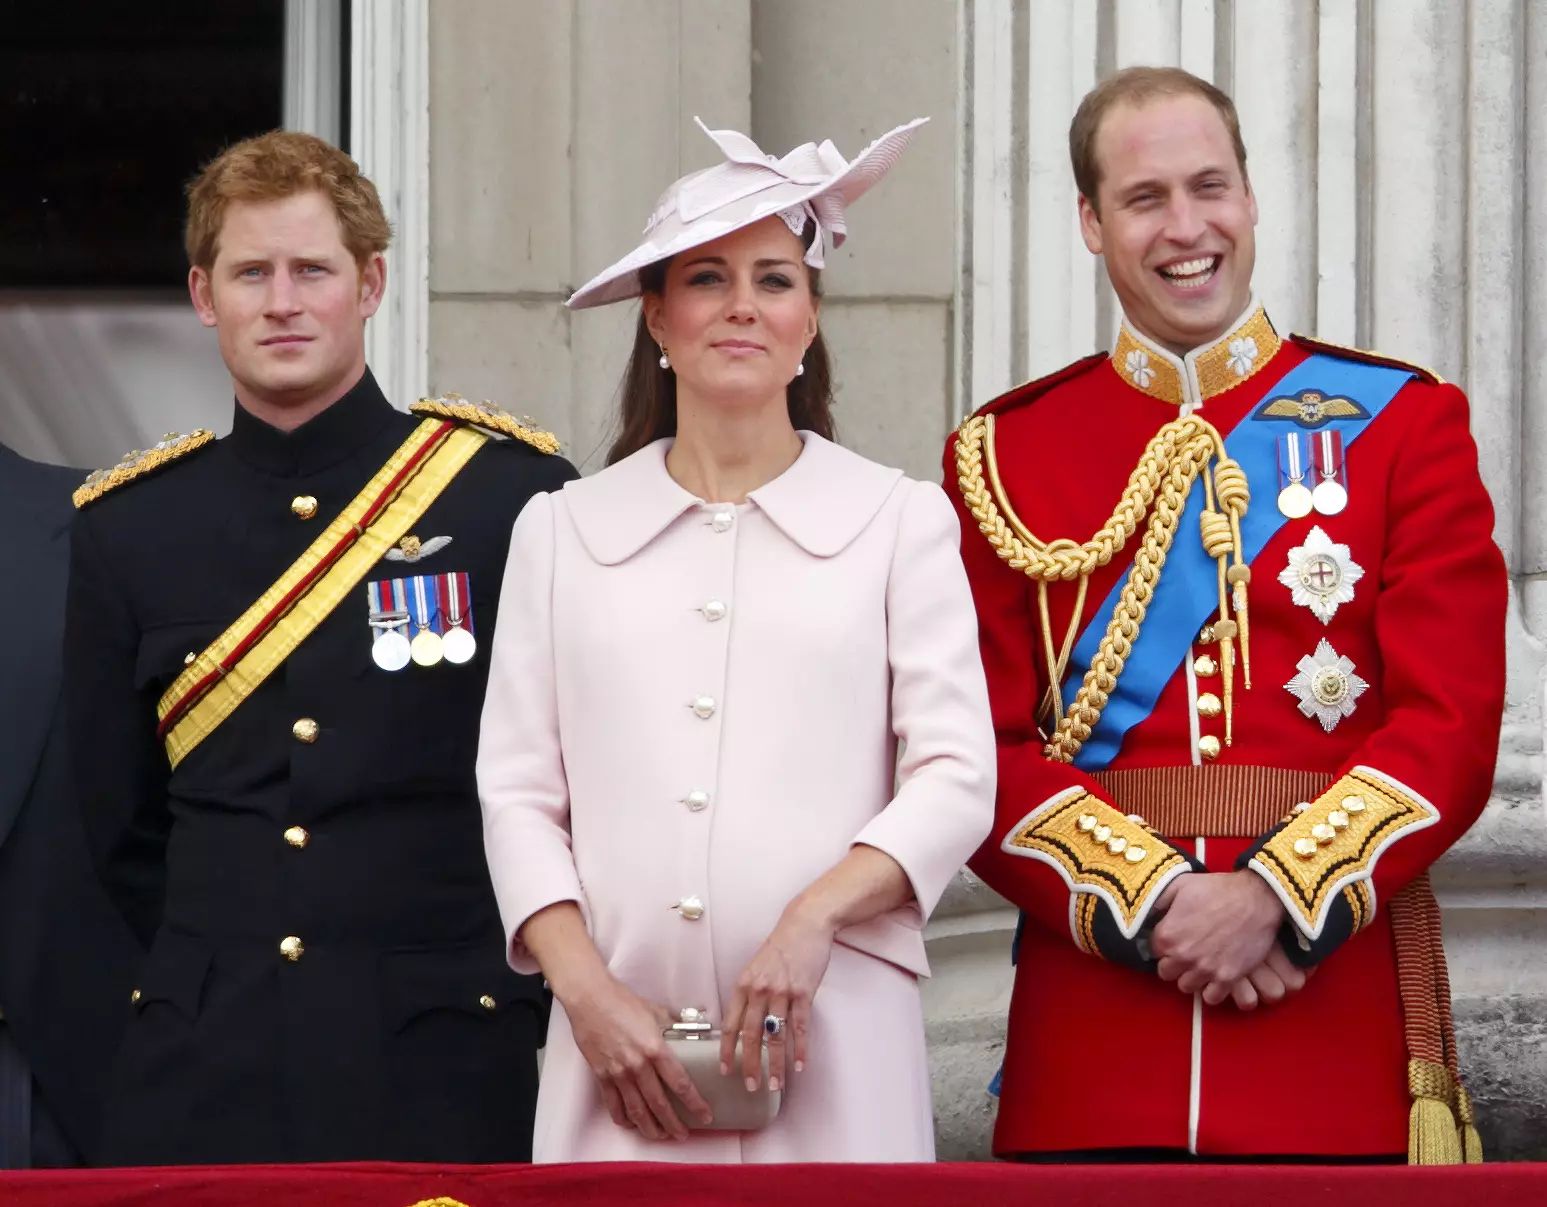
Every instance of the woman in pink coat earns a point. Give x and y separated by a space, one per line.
708 656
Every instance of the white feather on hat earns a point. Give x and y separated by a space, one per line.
811 184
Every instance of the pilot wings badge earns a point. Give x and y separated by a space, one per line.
412 549
1310 409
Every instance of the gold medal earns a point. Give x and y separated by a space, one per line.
1295 501
426 648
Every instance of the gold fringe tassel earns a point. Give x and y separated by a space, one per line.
1432 1136
1471 1142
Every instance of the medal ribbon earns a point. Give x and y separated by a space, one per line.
1189 592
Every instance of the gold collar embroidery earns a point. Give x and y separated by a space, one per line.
1188 382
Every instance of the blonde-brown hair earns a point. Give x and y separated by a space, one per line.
1136 86
272 167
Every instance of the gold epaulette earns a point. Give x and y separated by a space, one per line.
490 417
1364 356
137 463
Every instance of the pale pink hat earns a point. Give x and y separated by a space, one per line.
810 184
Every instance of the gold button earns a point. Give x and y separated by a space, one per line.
188 658
305 730
304 506
1101 833
134 998
1205 666
1305 847
1206 635
1117 844
1323 833
1135 854
292 948
297 837
1209 705
1209 747
1338 818
1353 804
487 1002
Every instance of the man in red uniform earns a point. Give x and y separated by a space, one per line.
1243 622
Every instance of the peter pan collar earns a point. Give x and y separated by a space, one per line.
822 502
1190 381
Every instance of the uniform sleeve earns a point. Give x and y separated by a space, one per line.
1420 780
1059 849
121 769
945 797
521 780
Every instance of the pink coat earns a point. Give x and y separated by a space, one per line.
695 700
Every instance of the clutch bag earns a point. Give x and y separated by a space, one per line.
696 1043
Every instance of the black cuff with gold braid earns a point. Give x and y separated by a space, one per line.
1115 867
1319 860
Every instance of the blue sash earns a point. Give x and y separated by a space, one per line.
1188 593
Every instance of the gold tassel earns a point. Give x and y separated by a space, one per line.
1432 1136
1471 1142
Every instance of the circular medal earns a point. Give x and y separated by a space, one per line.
459 646
390 651
1329 497
1295 501
426 647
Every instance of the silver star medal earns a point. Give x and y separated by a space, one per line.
1321 575
1326 686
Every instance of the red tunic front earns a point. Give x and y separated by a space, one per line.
1101 1054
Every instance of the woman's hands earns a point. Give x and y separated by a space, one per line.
781 979
620 1035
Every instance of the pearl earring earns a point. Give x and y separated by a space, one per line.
800 368
665 361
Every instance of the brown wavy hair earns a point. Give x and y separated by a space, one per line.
272 167
648 407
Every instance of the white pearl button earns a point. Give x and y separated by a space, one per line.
722 521
715 609
704 706
690 908
696 800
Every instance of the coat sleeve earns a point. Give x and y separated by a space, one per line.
121 769
521 780
944 801
1420 780
1044 853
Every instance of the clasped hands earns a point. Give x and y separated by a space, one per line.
1218 935
620 1034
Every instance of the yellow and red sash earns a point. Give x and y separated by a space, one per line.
231 668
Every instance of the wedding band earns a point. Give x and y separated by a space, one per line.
773 1025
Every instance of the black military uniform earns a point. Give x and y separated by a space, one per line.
326 974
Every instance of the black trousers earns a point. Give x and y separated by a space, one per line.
30 1136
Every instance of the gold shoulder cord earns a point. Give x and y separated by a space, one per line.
1158 488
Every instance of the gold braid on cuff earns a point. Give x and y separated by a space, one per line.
1179 453
1101 854
1330 846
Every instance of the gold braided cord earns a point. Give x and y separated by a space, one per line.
1157 488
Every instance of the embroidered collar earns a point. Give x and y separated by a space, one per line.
822 502
1190 381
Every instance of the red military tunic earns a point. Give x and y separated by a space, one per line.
1101 1053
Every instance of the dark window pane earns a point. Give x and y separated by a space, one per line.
107 109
